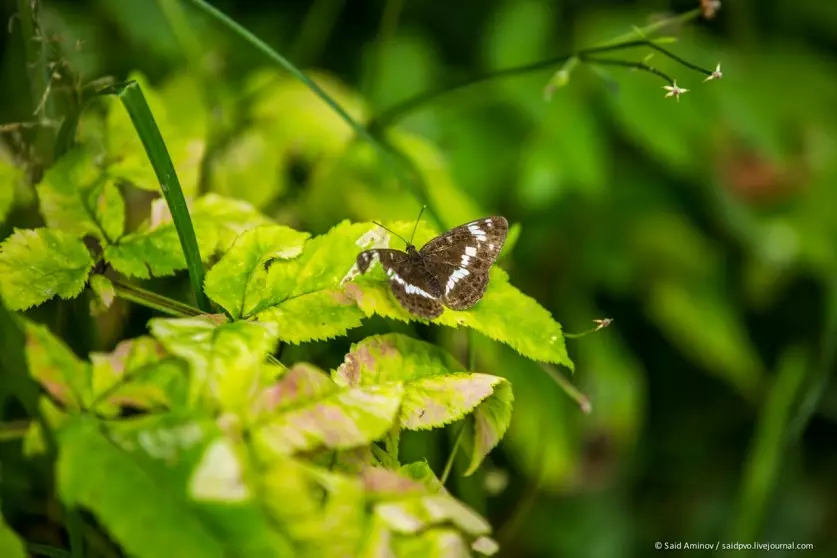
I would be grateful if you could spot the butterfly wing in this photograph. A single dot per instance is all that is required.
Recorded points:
(473, 246)
(461, 287)
(416, 289)
(461, 258)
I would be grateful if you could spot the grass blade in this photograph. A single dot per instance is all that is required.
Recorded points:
(134, 101)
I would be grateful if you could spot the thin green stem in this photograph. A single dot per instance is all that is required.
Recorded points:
(600, 324)
(452, 456)
(654, 27)
(582, 400)
(152, 300)
(627, 64)
(396, 112)
(75, 530)
(386, 152)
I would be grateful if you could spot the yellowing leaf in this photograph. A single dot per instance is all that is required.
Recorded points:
(56, 367)
(436, 390)
(305, 410)
(38, 264)
(225, 359)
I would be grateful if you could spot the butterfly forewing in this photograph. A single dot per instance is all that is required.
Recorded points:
(473, 246)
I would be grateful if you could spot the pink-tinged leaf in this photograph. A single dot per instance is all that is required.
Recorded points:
(301, 382)
(491, 420)
(56, 367)
(339, 418)
(436, 390)
(384, 484)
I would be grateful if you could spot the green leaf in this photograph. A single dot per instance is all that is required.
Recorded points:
(312, 504)
(140, 374)
(172, 488)
(61, 373)
(156, 250)
(38, 264)
(306, 410)
(436, 391)
(504, 313)
(303, 297)
(104, 294)
(491, 421)
(239, 281)
(11, 546)
(78, 198)
(225, 359)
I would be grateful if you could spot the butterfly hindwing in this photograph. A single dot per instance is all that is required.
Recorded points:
(462, 287)
(412, 285)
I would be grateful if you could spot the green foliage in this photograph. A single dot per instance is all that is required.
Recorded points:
(154, 250)
(38, 264)
(77, 198)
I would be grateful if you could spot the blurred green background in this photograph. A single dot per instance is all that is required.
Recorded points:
(706, 228)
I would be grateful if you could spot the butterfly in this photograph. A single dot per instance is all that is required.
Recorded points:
(450, 270)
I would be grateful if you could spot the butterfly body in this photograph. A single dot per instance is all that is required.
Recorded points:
(450, 270)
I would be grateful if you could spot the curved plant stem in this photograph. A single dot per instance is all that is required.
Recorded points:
(394, 113)
(384, 151)
(627, 64)
(582, 400)
(452, 456)
(600, 324)
(152, 300)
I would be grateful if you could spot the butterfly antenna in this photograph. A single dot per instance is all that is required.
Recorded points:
(392, 231)
(417, 222)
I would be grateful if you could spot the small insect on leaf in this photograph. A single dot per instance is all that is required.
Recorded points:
(451, 270)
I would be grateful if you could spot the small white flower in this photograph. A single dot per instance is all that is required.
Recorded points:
(715, 74)
(674, 90)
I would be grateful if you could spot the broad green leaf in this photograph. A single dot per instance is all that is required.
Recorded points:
(172, 488)
(225, 360)
(504, 314)
(65, 376)
(303, 296)
(78, 198)
(356, 184)
(436, 391)
(156, 250)
(250, 158)
(38, 264)
(238, 282)
(140, 374)
(305, 410)
(104, 294)
(312, 128)
(11, 546)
